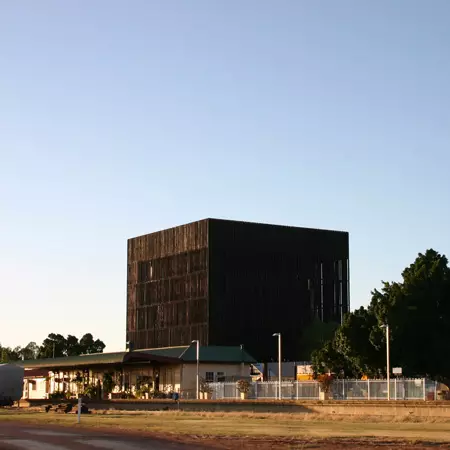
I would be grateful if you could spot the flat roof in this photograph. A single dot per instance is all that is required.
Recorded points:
(243, 222)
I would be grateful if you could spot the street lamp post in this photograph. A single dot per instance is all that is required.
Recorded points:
(279, 363)
(198, 367)
(388, 368)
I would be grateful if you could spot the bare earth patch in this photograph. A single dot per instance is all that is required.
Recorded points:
(262, 431)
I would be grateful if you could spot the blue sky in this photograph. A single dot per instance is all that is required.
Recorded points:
(122, 118)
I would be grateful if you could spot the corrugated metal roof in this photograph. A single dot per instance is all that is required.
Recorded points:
(211, 353)
(172, 352)
(218, 354)
(67, 361)
(95, 359)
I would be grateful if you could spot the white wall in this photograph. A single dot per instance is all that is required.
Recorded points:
(35, 388)
(189, 372)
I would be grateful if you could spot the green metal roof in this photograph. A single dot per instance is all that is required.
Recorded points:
(67, 361)
(211, 353)
(95, 359)
(173, 355)
(172, 352)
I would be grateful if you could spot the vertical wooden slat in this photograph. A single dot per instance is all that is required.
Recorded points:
(177, 257)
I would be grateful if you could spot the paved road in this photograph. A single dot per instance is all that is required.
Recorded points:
(20, 436)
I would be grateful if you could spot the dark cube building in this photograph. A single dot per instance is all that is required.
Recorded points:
(230, 283)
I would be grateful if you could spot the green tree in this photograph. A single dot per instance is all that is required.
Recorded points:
(53, 346)
(315, 336)
(30, 351)
(57, 345)
(8, 354)
(73, 347)
(417, 310)
(89, 345)
(419, 317)
(355, 340)
(328, 359)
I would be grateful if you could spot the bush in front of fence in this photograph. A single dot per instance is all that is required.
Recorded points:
(243, 386)
(325, 382)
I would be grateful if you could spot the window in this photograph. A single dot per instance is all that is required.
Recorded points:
(220, 377)
(209, 377)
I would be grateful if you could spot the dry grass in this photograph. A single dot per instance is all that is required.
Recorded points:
(308, 417)
(251, 424)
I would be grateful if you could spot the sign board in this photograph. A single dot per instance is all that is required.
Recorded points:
(397, 370)
(305, 377)
(304, 369)
(304, 372)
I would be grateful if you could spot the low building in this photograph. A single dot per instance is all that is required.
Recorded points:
(36, 383)
(140, 373)
(290, 371)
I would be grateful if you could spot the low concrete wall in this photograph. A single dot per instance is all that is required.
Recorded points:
(403, 409)
(356, 408)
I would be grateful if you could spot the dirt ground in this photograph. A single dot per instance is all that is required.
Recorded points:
(320, 444)
(324, 444)
(253, 431)
(280, 443)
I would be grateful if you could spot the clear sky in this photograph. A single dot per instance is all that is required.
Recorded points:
(121, 118)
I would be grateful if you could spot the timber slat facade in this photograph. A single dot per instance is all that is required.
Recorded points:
(231, 283)
(167, 292)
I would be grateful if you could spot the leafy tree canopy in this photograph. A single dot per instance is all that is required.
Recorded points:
(54, 345)
(417, 310)
(315, 336)
(60, 346)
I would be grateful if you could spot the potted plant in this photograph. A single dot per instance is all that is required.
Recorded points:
(205, 389)
(78, 381)
(142, 392)
(91, 391)
(243, 387)
(325, 382)
(108, 384)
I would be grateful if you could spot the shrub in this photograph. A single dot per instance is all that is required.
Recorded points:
(57, 395)
(243, 386)
(325, 382)
(108, 383)
(204, 386)
(90, 391)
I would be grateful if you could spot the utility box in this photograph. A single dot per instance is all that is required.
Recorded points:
(11, 384)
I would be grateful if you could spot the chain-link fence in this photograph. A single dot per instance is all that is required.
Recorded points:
(399, 389)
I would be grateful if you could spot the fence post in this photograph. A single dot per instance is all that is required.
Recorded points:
(256, 390)
(79, 410)
(343, 389)
(395, 387)
(435, 390)
(296, 390)
(368, 389)
(424, 390)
